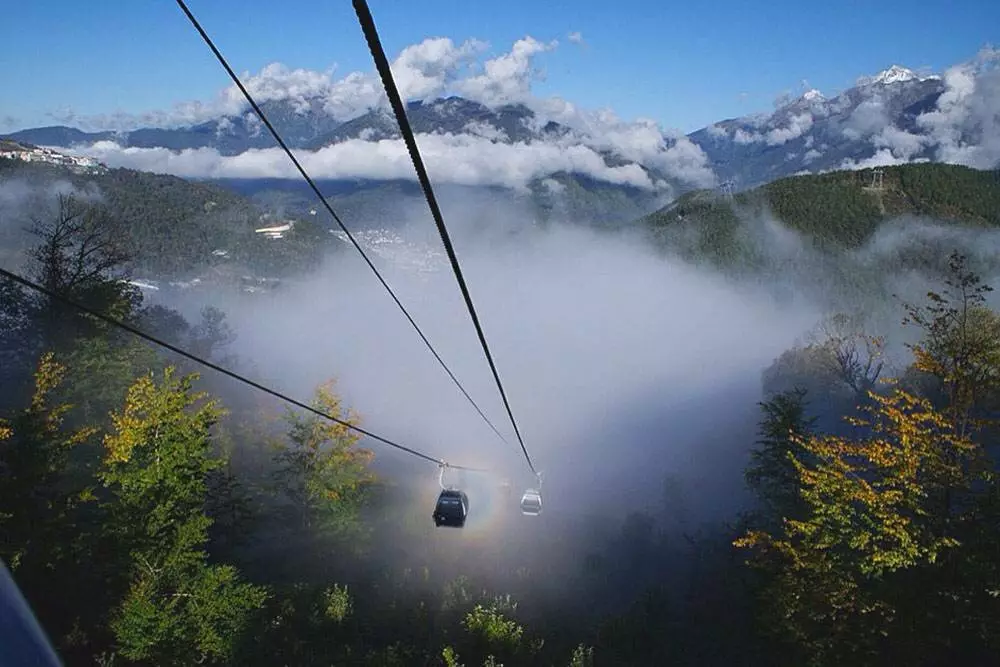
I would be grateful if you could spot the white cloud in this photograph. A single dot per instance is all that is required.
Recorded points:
(741, 136)
(717, 131)
(485, 130)
(881, 158)
(965, 125)
(423, 70)
(902, 144)
(798, 125)
(353, 95)
(506, 79)
(575, 37)
(867, 118)
(278, 82)
(811, 155)
(461, 159)
(963, 128)
(553, 185)
(641, 140)
(686, 161)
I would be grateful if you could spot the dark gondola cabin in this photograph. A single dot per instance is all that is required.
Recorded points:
(452, 508)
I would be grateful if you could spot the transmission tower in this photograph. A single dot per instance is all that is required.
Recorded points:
(877, 175)
(728, 188)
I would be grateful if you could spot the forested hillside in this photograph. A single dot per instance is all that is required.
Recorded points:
(171, 226)
(833, 212)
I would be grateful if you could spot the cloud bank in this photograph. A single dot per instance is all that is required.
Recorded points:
(460, 159)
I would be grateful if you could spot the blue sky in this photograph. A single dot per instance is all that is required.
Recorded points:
(683, 65)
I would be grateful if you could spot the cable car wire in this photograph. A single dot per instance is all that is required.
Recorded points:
(382, 64)
(329, 208)
(225, 371)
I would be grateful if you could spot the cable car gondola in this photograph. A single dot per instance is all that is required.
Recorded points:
(531, 502)
(452, 508)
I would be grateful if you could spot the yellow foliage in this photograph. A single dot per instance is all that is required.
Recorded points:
(327, 400)
(322, 468)
(874, 505)
(49, 375)
(143, 404)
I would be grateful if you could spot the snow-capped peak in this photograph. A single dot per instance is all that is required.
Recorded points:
(895, 74)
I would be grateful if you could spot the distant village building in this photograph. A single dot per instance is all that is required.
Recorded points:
(15, 151)
(276, 231)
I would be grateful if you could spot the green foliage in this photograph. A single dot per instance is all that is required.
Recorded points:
(185, 616)
(178, 609)
(231, 507)
(772, 473)
(102, 368)
(156, 461)
(583, 656)
(458, 594)
(832, 208)
(702, 225)
(949, 191)
(961, 344)
(450, 657)
(15, 327)
(338, 603)
(170, 226)
(834, 212)
(490, 623)
(174, 224)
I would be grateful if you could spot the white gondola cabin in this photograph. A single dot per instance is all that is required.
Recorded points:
(531, 502)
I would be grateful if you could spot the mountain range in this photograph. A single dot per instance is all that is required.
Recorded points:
(896, 116)
(814, 134)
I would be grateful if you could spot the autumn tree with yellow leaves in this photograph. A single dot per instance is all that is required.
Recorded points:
(43, 538)
(871, 569)
(322, 474)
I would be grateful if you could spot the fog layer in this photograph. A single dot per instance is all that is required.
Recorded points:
(620, 366)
